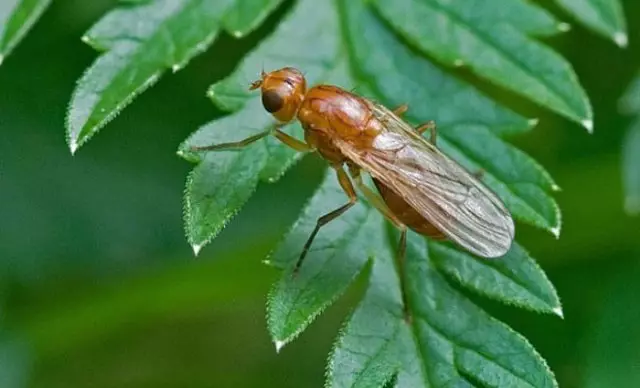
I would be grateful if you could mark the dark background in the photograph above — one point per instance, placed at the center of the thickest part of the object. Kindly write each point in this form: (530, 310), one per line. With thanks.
(99, 288)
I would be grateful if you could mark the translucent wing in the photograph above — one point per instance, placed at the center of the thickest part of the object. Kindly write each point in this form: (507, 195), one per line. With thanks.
(438, 188)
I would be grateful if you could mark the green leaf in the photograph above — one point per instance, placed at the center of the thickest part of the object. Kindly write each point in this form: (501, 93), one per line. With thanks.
(16, 18)
(353, 46)
(336, 257)
(208, 206)
(513, 175)
(223, 181)
(467, 121)
(448, 342)
(521, 14)
(457, 35)
(142, 41)
(514, 279)
(605, 17)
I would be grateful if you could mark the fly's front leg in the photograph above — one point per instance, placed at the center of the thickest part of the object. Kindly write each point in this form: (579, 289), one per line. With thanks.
(377, 202)
(283, 137)
(431, 127)
(347, 186)
(233, 145)
(292, 142)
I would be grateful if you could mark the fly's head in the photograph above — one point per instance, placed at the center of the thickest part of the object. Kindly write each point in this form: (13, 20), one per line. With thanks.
(282, 92)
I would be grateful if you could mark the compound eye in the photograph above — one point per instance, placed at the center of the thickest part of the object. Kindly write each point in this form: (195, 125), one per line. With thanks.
(272, 101)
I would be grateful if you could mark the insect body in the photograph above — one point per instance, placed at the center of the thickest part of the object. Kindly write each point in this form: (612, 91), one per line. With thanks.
(419, 187)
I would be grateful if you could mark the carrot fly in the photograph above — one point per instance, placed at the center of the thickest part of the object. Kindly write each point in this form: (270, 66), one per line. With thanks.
(419, 187)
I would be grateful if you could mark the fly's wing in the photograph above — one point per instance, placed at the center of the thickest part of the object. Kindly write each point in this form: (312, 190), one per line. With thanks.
(438, 188)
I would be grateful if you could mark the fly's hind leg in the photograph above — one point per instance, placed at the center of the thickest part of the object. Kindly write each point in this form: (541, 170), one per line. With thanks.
(431, 127)
(377, 202)
(347, 186)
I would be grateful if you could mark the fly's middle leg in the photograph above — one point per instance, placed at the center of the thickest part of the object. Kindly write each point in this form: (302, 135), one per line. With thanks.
(402, 273)
(377, 202)
(347, 186)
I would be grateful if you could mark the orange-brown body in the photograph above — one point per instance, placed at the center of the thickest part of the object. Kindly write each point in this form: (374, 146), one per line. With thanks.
(327, 112)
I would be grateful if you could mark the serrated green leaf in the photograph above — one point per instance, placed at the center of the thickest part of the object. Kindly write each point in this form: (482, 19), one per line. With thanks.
(223, 181)
(370, 348)
(514, 279)
(454, 33)
(16, 18)
(514, 176)
(353, 46)
(397, 76)
(289, 45)
(208, 208)
(142, 41)
(603, 16)
(448, 339)
(337, 255)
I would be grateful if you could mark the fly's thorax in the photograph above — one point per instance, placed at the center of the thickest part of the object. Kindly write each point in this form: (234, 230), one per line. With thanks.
(340, 113)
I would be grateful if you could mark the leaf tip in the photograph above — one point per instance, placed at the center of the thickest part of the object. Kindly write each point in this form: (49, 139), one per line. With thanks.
(588, 124)
(175, 68)
(621, 39)
(555, 231)
(237, 34)
(564, 27)
(73, 146)
(558, 311)
(555, 187)
(196, 248)
(86, 39)
(267, 262)
(279, 345)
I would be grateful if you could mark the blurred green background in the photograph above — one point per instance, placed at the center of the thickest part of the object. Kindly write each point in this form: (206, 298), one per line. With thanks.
(99, 288)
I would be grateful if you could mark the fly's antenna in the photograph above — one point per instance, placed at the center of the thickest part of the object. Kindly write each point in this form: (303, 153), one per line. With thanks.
(262, 73)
